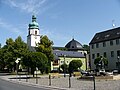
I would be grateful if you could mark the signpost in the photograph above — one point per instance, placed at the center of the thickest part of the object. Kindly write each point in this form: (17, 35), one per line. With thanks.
(17, 61)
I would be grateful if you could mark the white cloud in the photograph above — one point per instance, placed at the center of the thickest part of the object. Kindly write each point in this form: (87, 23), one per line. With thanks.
(9, 27)
(29, 6)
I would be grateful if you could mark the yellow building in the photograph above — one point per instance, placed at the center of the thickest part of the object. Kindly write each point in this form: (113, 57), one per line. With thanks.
(66, 57)
(73, 50)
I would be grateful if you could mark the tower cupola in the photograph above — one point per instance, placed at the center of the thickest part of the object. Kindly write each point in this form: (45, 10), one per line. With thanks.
(33, 24)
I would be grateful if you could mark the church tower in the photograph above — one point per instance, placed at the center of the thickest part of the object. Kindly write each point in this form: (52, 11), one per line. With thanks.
(33, 37)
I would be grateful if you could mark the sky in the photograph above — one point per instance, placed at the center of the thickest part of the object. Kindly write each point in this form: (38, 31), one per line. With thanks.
(60, 20)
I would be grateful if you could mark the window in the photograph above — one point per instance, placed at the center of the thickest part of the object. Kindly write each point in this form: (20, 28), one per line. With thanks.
(35, 32)
(97, 45)
(104, 44)
(105, 55)
(55, 63)
(92, 46)
(117, 41)
(106, 36)
(118, 53)
(72, 46)
(111, 42)
(98, 54)
(61, 62)
(112, 53)
(67, 61)
(93, 56)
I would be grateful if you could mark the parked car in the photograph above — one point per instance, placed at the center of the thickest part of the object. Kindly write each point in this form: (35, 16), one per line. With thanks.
(86, 73)
(102, 72)
(115, 71)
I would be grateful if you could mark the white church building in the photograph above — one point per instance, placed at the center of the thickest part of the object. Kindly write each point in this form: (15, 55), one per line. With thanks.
(33, 37)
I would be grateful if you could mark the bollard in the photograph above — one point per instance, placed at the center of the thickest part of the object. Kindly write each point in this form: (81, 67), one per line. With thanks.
(19, 77)
(36, 78)
(94, 81)
(26, 77)
(69, 82)
(49, 80)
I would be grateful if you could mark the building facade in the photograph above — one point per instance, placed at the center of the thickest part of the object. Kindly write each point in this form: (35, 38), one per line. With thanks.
(73, 50)
(106, 44)
(66, 57)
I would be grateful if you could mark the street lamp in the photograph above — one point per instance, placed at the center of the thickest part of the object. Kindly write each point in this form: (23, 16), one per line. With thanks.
(64, 66)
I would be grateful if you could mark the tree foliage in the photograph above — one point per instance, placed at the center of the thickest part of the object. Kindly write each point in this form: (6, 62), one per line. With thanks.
(35, 59)
(11, 51)
(45, 46)
(74, 65)
(101, 60)
(87, 48)
(64, 67)
(18, 49)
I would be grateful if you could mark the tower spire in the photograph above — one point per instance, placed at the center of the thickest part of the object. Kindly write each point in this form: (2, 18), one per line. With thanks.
(34, 23)
(33, 18)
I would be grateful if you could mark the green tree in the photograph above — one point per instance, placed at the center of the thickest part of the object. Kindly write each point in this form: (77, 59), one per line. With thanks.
(11, 51)
(101, 62)
(74, 65)
(64, 67)
(35, 59)
(87, 48)
(45, 46)
(0, 45)
(8, 54)
(2, 63)
(20, 47)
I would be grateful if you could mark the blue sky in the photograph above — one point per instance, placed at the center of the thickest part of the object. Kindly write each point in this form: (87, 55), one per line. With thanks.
(60, 20)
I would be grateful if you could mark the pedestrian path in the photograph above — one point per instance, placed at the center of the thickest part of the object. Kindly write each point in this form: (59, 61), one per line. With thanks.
(62, 83)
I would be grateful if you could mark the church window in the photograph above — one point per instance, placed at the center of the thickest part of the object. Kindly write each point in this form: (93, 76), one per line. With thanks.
(35, 32)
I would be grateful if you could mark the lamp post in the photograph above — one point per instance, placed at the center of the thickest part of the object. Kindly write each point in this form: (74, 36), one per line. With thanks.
(36, 72)
(118, 57)
(64, 66)
(36, 76)
(85, 60)
(94, 81)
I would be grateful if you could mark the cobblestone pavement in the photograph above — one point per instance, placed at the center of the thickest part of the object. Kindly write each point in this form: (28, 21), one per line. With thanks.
(63, 82)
